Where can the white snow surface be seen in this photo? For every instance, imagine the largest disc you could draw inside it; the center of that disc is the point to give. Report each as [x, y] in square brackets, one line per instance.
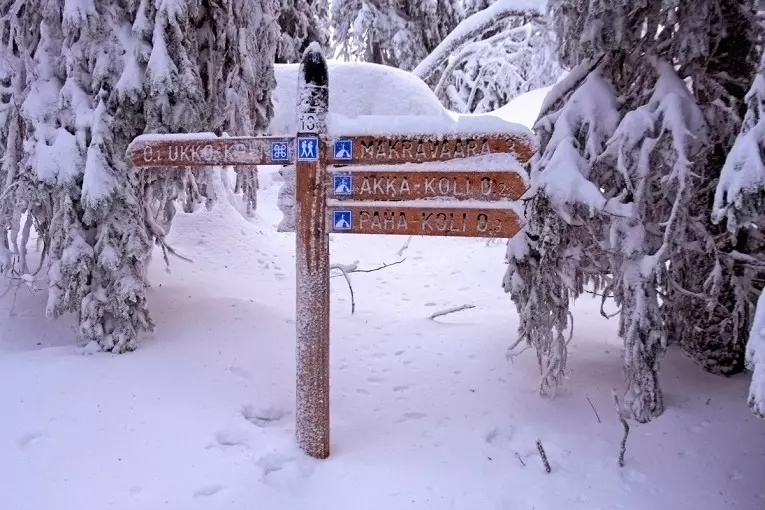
[425, 413]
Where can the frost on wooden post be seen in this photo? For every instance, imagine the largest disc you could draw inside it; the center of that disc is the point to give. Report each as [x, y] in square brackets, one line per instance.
[312, 259]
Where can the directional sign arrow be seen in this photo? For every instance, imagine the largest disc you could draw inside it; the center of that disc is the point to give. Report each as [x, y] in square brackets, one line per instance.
[205, 149]
[421, 218]
[396, 149]
[378, 185]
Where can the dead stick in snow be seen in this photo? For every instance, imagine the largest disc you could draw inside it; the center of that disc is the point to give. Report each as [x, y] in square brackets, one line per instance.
[520, 459]
[625, 425]
[344, 270]
[594, 410]
[451, 310]
[542, 454]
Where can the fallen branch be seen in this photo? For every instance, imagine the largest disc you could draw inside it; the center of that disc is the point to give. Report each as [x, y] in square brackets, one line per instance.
[520, 459]
[625, 425]
[451, 310]
[542, 454]
[594, 410]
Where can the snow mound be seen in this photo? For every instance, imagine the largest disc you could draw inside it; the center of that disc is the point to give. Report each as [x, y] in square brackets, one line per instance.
[373, 99]
[356, 90]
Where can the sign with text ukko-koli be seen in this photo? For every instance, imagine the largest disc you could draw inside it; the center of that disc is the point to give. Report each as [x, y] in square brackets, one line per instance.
[205, 149]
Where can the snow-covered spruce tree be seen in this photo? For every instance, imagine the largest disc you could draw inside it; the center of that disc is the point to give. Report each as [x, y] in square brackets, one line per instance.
[514, 56]
[398, 33]
[301, 22]
[21, 195]
[711, 287]
[491, 57]
[99, 75]
[654, 177]
[739, 204]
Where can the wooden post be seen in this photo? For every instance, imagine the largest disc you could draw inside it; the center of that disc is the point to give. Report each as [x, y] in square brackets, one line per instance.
[312, 320]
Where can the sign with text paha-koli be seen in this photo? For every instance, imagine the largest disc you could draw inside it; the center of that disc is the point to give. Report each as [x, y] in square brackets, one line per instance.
[393, 198]
[421, 220]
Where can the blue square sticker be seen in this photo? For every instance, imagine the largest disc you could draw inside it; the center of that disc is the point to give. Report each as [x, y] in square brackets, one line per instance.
[343, 185]
[344, 149]
[342, 220]
[280, 151]
[308, 149]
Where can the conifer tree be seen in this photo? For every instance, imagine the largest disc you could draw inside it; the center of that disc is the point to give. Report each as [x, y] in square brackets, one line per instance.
[629, 157]
[301, 22]
[399, 33]
[98, 75]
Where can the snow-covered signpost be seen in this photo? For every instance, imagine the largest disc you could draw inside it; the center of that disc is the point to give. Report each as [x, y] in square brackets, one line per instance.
[312, 319]
[416, 184]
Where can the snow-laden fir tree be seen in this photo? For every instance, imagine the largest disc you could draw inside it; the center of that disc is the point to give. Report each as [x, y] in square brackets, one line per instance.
[621, 186]
[97, 75]
[301, 22]
[739, 204]
[491, 57]
[399, 33]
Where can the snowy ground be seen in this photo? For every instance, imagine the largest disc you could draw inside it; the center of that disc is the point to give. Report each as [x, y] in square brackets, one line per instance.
[425, 414]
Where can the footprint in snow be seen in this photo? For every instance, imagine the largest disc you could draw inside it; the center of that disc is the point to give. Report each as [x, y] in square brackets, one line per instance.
[283, 470]
[263, 417]
[400, 388]
[207, 491]
[29, 439]
[411, 416]
[230, 438]
[241, 372]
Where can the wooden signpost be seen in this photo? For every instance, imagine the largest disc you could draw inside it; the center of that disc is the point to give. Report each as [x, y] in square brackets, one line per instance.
[464, 185]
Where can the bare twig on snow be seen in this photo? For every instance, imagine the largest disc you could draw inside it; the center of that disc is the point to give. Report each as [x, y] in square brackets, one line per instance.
[594, 410]
[542, 454]
[625, 425]
[453, 309]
